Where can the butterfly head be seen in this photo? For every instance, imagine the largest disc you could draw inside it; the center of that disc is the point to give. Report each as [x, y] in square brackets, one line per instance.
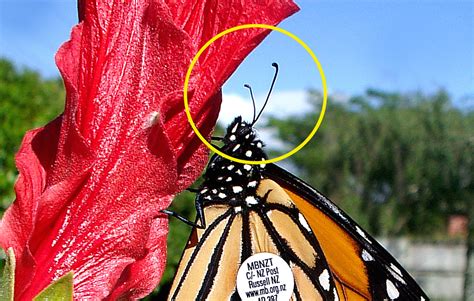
[239, 131]
[241, 141]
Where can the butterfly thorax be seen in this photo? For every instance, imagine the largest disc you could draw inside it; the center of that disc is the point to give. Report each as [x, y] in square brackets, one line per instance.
[229, 181]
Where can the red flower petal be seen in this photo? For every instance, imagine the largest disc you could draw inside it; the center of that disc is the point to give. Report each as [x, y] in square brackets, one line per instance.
[92, 182]
[215, 66]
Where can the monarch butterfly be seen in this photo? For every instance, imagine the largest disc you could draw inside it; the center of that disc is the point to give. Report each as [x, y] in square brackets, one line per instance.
[248, 209]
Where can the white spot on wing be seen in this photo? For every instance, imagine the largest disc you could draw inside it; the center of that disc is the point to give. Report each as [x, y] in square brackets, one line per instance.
[396, 273]
[250, 200]
[397, 270]
[230, 167]
[248, 153]
[238, 172]
[237, 209]
[204, 190]
[366, 256]
[336, 296]
[361, 233]
[392, 291]
[228, 179]
[214, 191]
[237, 189]
[222, 195]
[236, 147]
[324, 280]
[252, 184]
[247, 167]
[232, 137]
[303, 222]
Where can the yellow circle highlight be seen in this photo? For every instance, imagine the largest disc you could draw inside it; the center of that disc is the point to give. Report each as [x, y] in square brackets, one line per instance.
[263, 26]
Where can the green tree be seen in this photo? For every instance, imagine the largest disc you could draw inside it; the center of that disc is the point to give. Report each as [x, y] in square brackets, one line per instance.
[398, 163]
[26, 101]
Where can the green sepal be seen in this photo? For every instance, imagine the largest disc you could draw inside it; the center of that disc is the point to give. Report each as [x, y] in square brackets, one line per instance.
[7, 277]
[60, 290]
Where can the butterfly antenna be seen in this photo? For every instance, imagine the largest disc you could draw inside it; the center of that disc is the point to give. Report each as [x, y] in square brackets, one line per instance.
[275, 65]
[253, 102]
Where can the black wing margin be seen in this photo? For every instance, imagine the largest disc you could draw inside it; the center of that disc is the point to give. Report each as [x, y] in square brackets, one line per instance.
[384, 276]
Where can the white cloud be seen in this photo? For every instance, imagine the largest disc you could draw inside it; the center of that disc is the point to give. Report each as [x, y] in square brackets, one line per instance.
[286, 103]
[234, 105]
[281, 104]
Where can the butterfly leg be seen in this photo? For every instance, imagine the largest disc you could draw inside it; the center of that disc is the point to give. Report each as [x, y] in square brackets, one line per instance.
[200, 220]
[200, 215]
[179, 217]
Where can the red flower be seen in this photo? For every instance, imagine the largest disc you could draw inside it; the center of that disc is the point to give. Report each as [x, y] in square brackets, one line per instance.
[93, 181]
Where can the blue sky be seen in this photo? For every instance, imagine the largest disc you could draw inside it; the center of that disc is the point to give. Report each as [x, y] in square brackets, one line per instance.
[394, 45]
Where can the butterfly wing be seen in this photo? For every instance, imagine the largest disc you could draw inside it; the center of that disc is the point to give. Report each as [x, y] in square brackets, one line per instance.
[362, 268]
[295, 242]
[210, 258]
[208, 268]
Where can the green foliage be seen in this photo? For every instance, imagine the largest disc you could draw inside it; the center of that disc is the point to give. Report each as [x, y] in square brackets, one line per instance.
[397, 163]
[60, 290]
[26, 101]
[7, 277]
